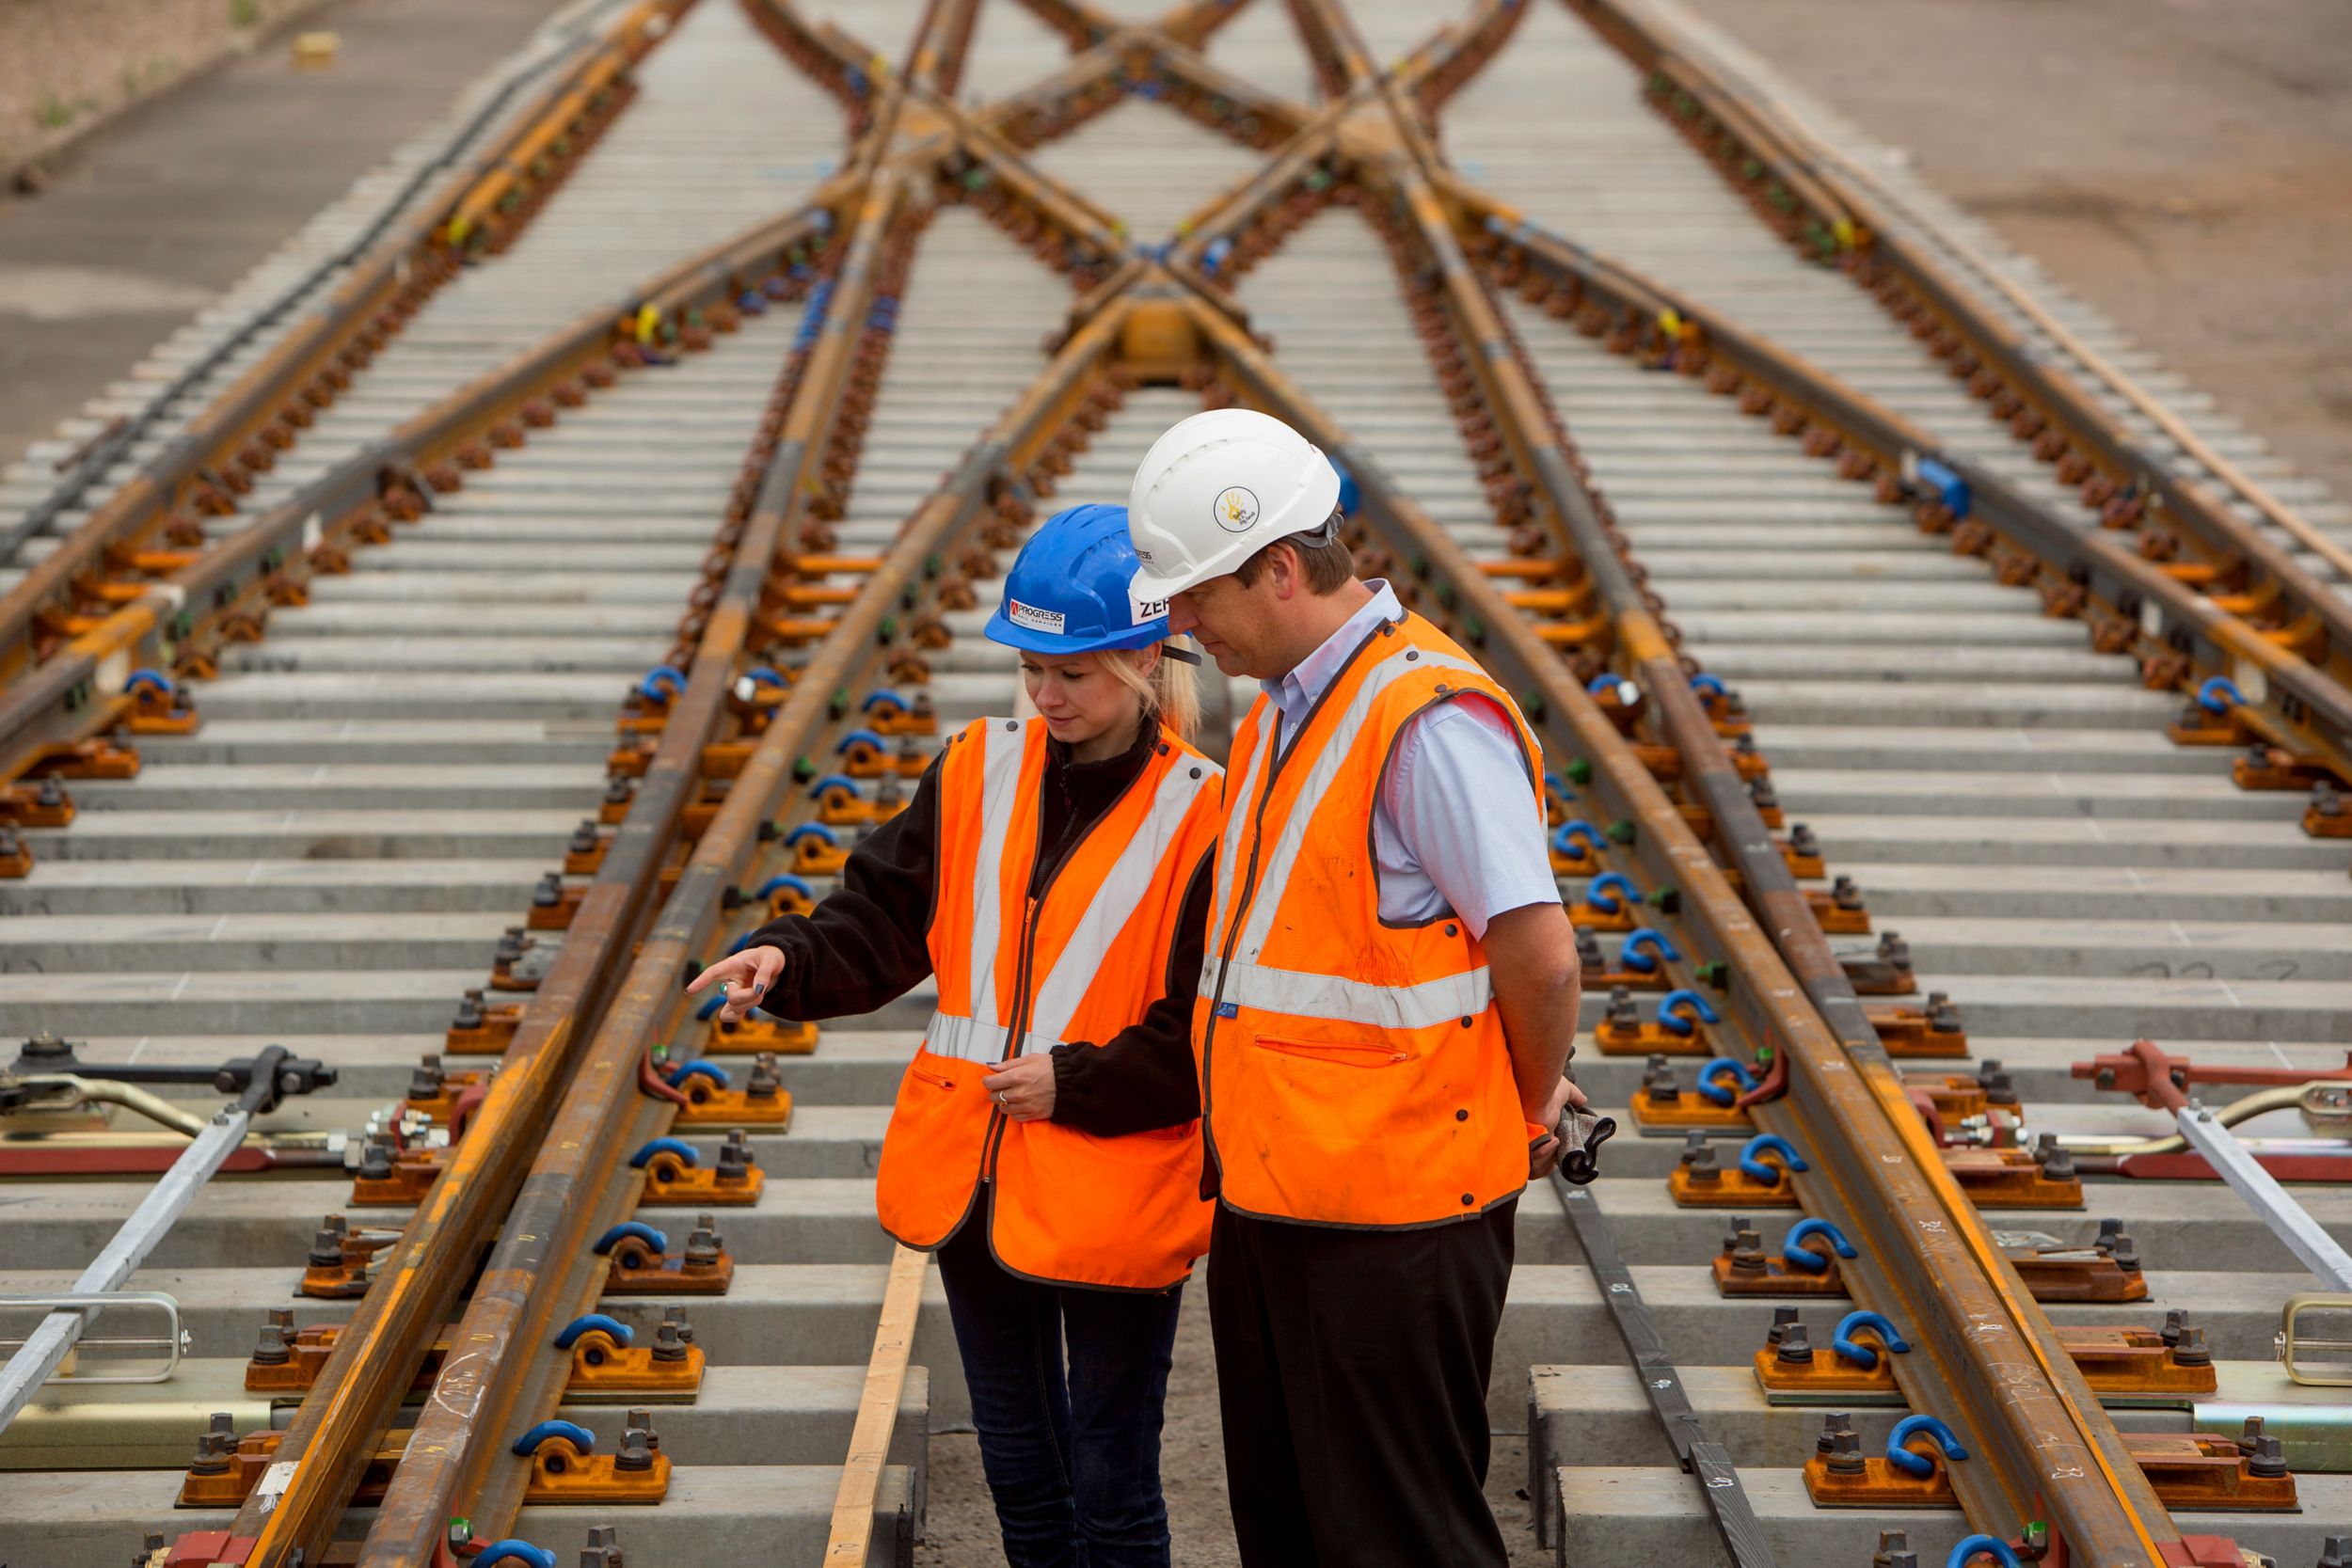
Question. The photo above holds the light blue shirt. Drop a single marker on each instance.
(1456, 829)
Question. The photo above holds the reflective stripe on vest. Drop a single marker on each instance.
(1001, 754)
(1355, 1071)
(1089, 956)
(1305, 994)
(979, 1039)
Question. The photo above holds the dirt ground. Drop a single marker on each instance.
(2184, 166)
(63, 62)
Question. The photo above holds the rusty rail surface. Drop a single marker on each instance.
(1869, 196)
(541, 1265)
(375, 1359)
(544, 1155)
(145, 531)
(1996, 1368)
(2179, 523)
(516, 1305)
(226, 593)
(2180, 636)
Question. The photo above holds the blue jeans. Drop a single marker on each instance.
(1072, 1458)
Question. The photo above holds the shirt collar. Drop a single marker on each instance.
(1297, 692)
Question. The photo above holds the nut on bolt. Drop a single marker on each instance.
(735, 1158)
(326, 1245)
(764, 1083)
(1698, 1159)
(703, 1246)
(671, 1337)
(215, 1447)
(638, 1443)
(1660, 1081)
(275, 1346)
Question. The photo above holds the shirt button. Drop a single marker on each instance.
(1461, 1116)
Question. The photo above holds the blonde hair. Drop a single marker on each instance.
(1167, 690)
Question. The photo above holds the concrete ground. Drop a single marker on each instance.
(154, 215)
(2184, 166)
(961, 1521)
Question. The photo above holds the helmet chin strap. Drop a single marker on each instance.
(1182, 655)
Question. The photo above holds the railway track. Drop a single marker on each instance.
(814, 436)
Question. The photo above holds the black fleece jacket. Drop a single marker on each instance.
(867, 945)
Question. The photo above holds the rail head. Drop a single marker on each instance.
(2051, 1448)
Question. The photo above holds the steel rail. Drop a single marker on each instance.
(1446, 64)
(1707, 1460)
(376, 1359)
(1928, 1257)
(2043, 1424)
(92, 461)
(647, 1010)
(459, 1435)
(45, 1349)
(1863, 187)
(347, 329)
(349, 1405)
(1191, 24)
(181, 622)
(540, 1264)
(2130, 602)
(1884, 257)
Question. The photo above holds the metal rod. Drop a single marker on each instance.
(45, 1350)
(2287, 1219)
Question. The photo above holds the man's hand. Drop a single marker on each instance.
(1024, 1087)
(744, 979)
(1544, 1157)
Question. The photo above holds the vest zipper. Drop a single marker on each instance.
(997, 1120)
(1224, 962)
(1022, 997)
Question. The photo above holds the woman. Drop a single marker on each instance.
(1053, 876)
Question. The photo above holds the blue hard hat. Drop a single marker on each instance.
(1068, 590)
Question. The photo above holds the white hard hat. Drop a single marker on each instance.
(1217, 488)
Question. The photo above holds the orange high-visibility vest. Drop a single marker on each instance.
(1352, 1072)
(1019, 975)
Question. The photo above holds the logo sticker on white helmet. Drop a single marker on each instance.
(1142, 612)
(1035, 619)
(1237, 509)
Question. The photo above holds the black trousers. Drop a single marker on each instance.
(1352, 1373)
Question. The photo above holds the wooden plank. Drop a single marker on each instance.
(877, 1409)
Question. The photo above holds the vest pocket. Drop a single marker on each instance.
(1356, 1053)
(932, 1151)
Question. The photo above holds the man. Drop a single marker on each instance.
(1387, 1002)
